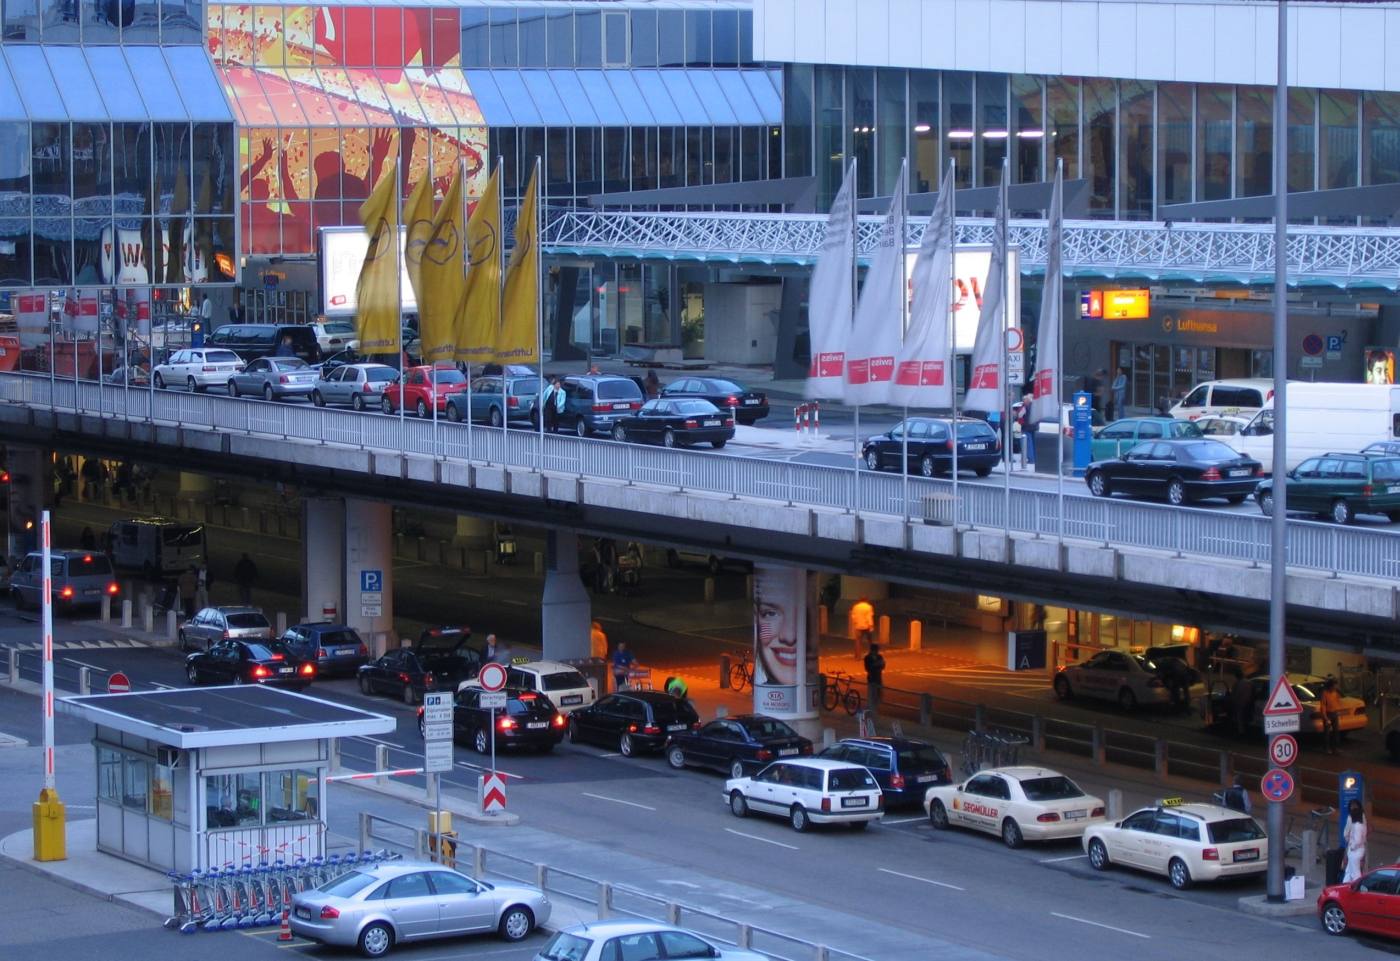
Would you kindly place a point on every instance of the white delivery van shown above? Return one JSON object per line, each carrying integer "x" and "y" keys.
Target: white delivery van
{"x": 156, "y": 545}
{"x": 1246, "y": 397}
{"x": 1322, "y": 418}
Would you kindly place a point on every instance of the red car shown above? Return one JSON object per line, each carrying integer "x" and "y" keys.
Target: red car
{"x": 425, "y": 385}
{"x": 1370, "y": 904}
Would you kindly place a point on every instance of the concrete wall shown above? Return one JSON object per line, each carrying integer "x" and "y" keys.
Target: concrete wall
{"x": 741, "y": 322}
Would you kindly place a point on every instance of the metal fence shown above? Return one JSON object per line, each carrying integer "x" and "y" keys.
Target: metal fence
{"x": 1185, "y": 531}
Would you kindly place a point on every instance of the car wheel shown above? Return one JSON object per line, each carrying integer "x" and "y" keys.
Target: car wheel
{"x": 1098, "y": 855}
{"x": 408, "y": 695}
{"x": 516, "y": 923}
{"x": 317, "y": 400}
{"x": 1062, "y": 688}
{"x": 926, "y": 466}
{"x": 872, "y": 460}
{"x": 422, "y": 410}
{"x": 1179, "y": 874}
{"x": 573, "y": 732}
{"x": 237, "y": 679}
{"x": 232, "y": 388}
{"x": 1127, "y": 700}
{"x": 480, "y": 742}
{"x": 376, "y": 940}
{"x": 982, "y": 471}
{"x": 736, "y": 769}
{"x": 1176, "y": 492}
{"x": 619, "y": 433}
{"x": 1266, "y": 504}
{"x": 386, "y": 405}
{"x": 267, "y": 392}
{"x": 1011, "y": 833}
{"x": 357, "y": 403}
{"x": 364, "y": 685}
{"x": 625, "y": 747}
{"x": 798, "y": 818}
{"x": 192, "y": 673}
{"x": 1098, "y": 484}
{"x": 453, "y": 414}
{"x": 160, "y": 381}
{"x": 675, "y": 757}
{"x": 1341, "y": 511}
{"x": 495, "y": 417}
{"x": 190, "y": 383}
{"x": 738, "y": 804}
{"x": 1235, "y": 499}
{"x": 668, "y": 439}
{"x": 580, "y": 428}
{"x": 938, "y": 816}
{"x": 1334, "y": 918}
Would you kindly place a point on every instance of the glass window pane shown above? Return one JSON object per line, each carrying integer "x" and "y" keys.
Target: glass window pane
{"x": 923, "y": 121}
{"x": 671, "y": 38}
{"x": 558, "y": 165}
{"x": 532, "y": 38}
{"x": 1340, "y": 139}
{"x": 233, "y": 800}
{"x": 522, "y": 105}
{"x": 286, "y": 109}
{"x": 162, "y": 792}
{"x": 561, "y": 38}
{"x": 109, "y": 772}
{"x": 476, "y": 38}
{"x": 588, "y": 39}
{"x": 615, "y": 39}
{"x": 586, "y": 180}
{"x": 158, "y": 88}
{"x": 118, "y": 88}
{"x": 36, "y": 85}
{"x": 993, "y": 128}
{"x": 1028, "y": 130}
{"x": 1255, "y": 131}
{"x": 15, "y": 160}
{"x": 505, "y": 47}
{"x": 1381, "y": 119}
{"x": 643, "y": 38}
{"x": 643, "y": 158}
{"x": 658, "y": 99}
{"x": 20, "y": 20}
{"x": 101, "y": 22}
{"x": 1302, "y": 139}
{"x": 860, "y": 119}
{"x": 1062, "y": 95}
{"x": 797, "y": 122}
{"x": 60, "y": 20}
{"x": 10, "y": 106}
{"x": 135, "y": 782}
{"x": 697, "y": 38}
{"x": 707, "y": 88}
{"x": 830, "y": 155}
{"x": 746, "y": 37}
{"x": 752, "y": 155}
{"x": 1174, "y": 143}
{"x": 1100, "y": 123}
{"x": 724, "y": 155}
{"x": 890, "y": 119}
{"x": 763, "y": 86}
{"x": 600, "y": 95}
{"x": 542, "y": 92}
{"x": 181, "y": 21}
{"x": 1214, "y": 131}
{"x": 15, "y": 259}
{"x": 144, "y": 25}
{"x": 615, "y": 159}
{"x": 53, "y": 251}
{"x": 699, "y": 150}
{"x": 75, "y": 83}
{"x": 683, "y": 94}
{"x": 292, "y": 795}
{"x": 1135, "y": 171}
{"x": 726, "y": 38}
{"x": 199, "y": 88}
{"x": 737, "y": 93}
{"x": 92, "y": 168}
{"x": 957, "y": 119}
{"x": 634, "y": 105}
{"x": 494, "y": 107}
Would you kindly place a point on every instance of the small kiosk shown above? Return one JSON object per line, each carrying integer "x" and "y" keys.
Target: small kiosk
{"x": 208, "y": 777}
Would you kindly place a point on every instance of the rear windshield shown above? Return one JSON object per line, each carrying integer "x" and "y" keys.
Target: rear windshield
{"x": 925, "y": 757}
{"x": 529, "y": 704}
{"x": 446, "y": 376}
{"x": 1234, "y": 830}
{"x": 618, "y": 390}
{"x": 674, "y": 711}
{"x": 347, "y": 884}
{"x": 694, "y": 407}
{"x": 220, "y": 357}
{"x": 524, "y": 386}
{"x": 850, "y": 779}
{"x": 247, "y": 620}
{"x": 380, "y": 375}
{"x": 182, "y": 536}
{"x": 267, "y": 652}
{"x": 769, "y": 727}
{"x": 85, "y": 565}
{"x": 1056, "y": 788}
{"x": 974, "y": 429}
{"x": 1211, "y": 450}
{"x": 566, "y": 947}
{"x": 346, "y": 636}
{"x": 339, "y": 327}
{"x": 288, "y": 363}
{"x": 564, "y": 681}
{"x": 725, "y": 387}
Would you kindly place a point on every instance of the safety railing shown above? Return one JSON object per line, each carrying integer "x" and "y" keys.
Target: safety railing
{"x": 1188, "y": 531}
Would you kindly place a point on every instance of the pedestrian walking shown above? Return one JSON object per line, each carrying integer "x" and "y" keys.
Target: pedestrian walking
{"x": 1355, "y": 838}
{"x": 1331, "y": 711}
{"x": 245, "y": 574}
{"x": 1120, "y": 393}
{"x": 653, "y": 385}
{"x": 202, "y": 590}
{"x": 874, "y": 675}
{"x": 861, "y": 620}
{"x": 188, "y": 582}
{"x": 552, "y": 404}
{"x": 598, "y": 642}
{"x": 624, "y": 662}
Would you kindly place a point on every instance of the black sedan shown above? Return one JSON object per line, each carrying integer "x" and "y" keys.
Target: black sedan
{"x": 676, "y": 423}
{"x": 633, "y": 721}
{"x": 1182, "y": 470}
{"x": 747, "y": 406}
{"x": 530, "y": 720}
{"x": 408, "y": 672}
{"x": 243, "y": 662}
{"x": 737, "y": 745}
{"x": 931, "y": 449}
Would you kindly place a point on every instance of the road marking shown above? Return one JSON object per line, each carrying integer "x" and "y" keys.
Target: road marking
{"x": 375, "y": 740}
{"x": 899, "y": 820}
{"x": 90, "y": 667}
{"x": 1096, "y": 924}
{"x": 162, "y": 687}
{"x": 613, "y": 754}
{"x": 915, "y": 877}
{"x": 486, "y": 770}
{"x": 618, "y": 800}
{"x": 755, "y": 837}
{"x": 1071, "y": 857}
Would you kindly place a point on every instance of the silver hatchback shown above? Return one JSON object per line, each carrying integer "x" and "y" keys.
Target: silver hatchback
{"x": 360, "y": 386}
{"x": 374, "y": 908}
{"x": 214, "y": 624}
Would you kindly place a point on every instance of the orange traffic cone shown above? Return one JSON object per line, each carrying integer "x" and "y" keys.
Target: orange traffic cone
{"x": 286, "y": 933}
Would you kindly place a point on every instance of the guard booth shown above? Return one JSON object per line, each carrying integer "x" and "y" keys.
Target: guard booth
{"x": 208, "y": 777}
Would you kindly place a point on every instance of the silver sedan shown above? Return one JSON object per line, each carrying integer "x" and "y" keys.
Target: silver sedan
{"x": 374, "y": 908}
{"x": 273, "y": 377}
{"x": 359, "y": 385}
{"x": 607, "y": 940}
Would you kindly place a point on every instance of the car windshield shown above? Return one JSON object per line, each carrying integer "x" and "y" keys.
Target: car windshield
{"x": 1211, "y": 450}
{"x": 695, "y": 407}
{"x": 247, "y": 620}
{"x": 182, "y": 536}
{"x": 447, "y": 376}
{"x": 850, "y": 779}
{"x": 380, "y": 375}
{"x": 1235, "y": 830}
{"x": 89, "y": 564}
{"x": 220, "y": 357}
{"x": 768, "y": 727}
{"x": 1057, "y": 788}
{"x": 339, "y": 327}
{"x": 564, "y": 681}
{"x": 566, "y": 947}
{"x": 342, "y": 636}
{"x": 923, "y": 757}
{"x": 288, "y": 363}
{"x": 347, "y": 884}
{"x": 967, "y": 431}
{"x": 618, "y": 390}
{"x": 725, "y": 387}
{"x": 524, "y": 386}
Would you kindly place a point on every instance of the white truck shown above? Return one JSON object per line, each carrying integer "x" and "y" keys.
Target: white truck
{"x": 1322, "y": 417}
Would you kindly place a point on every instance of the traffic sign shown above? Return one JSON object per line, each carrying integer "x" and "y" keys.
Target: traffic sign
{"x": 1015, "y": 340}
{"x": 1283, "y": 750}
{"x": 493, "y": 700}
{"x": 371, "y": 581}
{"x": 371, "y": 610}
{"x": 1282, "y": 724}
{"x": 1312, "y": 345}
{"x": 437, "y": 756}
{"x": 437, "y": 716}
{"x": 1277, "y": 785}
{"x": 1016, "y": 367}
{"x": 492, "y": 790}
{"x": 1282, "y": 700}
{"x": 118, "y": 683}
{"x": 492, "y": 677}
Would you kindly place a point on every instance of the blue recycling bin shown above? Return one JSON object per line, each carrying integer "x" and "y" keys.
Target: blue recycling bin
{"x": 1082, "y": 420}
{"x": 1351, "y": 786}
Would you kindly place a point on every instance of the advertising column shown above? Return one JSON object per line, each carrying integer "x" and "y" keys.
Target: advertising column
{"x": 785, "y": 672}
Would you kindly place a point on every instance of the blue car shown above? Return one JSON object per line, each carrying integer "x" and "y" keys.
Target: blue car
{"x": 594, "y": 402}
{"x": 903, "y": 767}
{"x": 508, "y": 398}
{"x": 335, "y": 648}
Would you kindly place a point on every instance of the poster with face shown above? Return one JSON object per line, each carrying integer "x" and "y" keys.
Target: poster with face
{"x": 780, "y": 636}
{"x": 1380, "y": 365}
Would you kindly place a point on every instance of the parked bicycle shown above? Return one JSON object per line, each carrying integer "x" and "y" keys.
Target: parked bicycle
{"x": 839, "y": 690}
{"x": 741, "y": 673}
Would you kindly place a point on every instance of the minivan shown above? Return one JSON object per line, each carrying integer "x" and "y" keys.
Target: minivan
{"x": 79, "y": 579}
{"x": 594, "y": 401}
{"x": 250, "y": 341}
{"x": 1322, "y": 418}
{"x": 1245, "y": 397}
{"x": 156, "y": 545}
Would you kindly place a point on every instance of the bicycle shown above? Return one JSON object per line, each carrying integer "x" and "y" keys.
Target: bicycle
{"x": 840, "y": 690}
{"x": 741, "y": 673}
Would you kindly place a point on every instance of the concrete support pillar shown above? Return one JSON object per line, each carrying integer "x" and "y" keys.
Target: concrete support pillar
{"x": 196, "y": 490}
{"x": 565, "y": 610}
{"x": 473, "y": 532}
{"x": 30, "y": 484}
{"x": 786, "y": 647}
{"x": 323, "y": 558}
{"x": 369, "y": 556}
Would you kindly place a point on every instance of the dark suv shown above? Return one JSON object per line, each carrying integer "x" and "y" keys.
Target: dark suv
{"x": 633, "y": 721}
{"x": 592, "y": 403}
{"x": 1340, "y": 486}
{"x": 903, "y": 767}
{"x": 250, "y": 341}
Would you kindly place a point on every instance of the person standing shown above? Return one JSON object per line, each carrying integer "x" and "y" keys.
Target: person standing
{"x": 245, "y": 573}
{"x": 285, "y": 349}
{"x": 1331, "y": 711}
{"x": 1237, "y": 797}
{"x": 874, "y": 675}
{"x": 206, "y": 312}
{"x": 494, "y": 653}
{"x": 552, "y": 404}
{"x": 1120, "y": 393}
{"x": 862, "y": 622}
{"x": 598, "y": 642}
{"x": 188, "y": 583}
{"x": 653, "y": 385}
{"x": 1355, "y": 839}
{"x": 624, "y": 662}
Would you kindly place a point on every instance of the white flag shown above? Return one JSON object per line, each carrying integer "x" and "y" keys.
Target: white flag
{"x": 986, "y": 388}
{"x": 1045, "y": 383}
{"x": 923, "y": 371}
{"x": 878, "y": 330}
{"x": 830, "y": 296}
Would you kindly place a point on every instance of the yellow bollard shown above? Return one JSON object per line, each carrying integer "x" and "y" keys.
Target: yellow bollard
{"x": 50, "y": 838}
{"x": 916, "y": 635}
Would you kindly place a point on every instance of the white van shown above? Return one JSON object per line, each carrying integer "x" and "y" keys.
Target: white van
{"x": 156, "y": 545}
{"x": 1242, "y": 397}
{"x": 1322, "y": 418}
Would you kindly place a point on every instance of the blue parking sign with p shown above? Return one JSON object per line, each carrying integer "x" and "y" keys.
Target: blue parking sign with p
{"x": 371, "y": 581}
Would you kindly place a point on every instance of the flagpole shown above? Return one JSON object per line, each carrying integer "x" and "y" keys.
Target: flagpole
{"x": 1058, "y": 213}
{"x": 398, "y": 293}
{"x": 1003, "y": 219}
{"x": 904, "y": 314}
{"x": 952, "y": 323}
{"x": 456, "y": 326}
{"x": 855, "y": 287}
{"x": 539, "y": 306}
{"x": 501, "y": 297}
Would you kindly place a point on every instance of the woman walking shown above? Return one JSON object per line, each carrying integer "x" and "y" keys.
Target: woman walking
{"x": 1355, "y": 838}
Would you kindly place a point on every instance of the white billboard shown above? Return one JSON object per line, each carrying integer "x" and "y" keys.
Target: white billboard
{"x": 343, "y": 252}
{"x": 971, "y": 264}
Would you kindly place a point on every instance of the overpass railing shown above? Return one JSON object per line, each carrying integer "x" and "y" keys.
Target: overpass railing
{"x": 1184, "y": 531}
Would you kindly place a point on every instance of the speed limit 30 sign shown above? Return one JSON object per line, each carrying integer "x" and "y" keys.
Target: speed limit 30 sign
{"x": 1283, "y": 750}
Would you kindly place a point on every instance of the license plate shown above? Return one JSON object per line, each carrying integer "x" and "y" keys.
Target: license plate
{"x": 285, "y": 670}
{"x": 304, "y": 913}
{"x": 751, "y": 402}
{"x": 1075, "y": 815}
{"x": 571, "y": 699}
{"x": 1241, "y": 472}
{"x": 855, "y": 802}
{"x": 345, "y": 651}
{"x": 536, "y": 725}
{"x": 622, "y": 406}
{"x": 92, "y": 590}
{"x": 711, "y": 423}
{"x": 675, "y": 727}
{"x": 1393, "y": 489}
{"x": 1250, "y": 854}
{"x": 925, "y": 778}
{"x": 976, "y": 447}
{"x": 786, "y": 751}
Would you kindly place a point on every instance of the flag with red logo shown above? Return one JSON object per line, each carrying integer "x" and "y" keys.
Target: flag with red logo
{"x": 923, "y": 373}
{"x": 1045, "y": 382}
{"x": 830, "y": 296}
{"x": 986, "y": 387}
{"x": 878, "y": 331}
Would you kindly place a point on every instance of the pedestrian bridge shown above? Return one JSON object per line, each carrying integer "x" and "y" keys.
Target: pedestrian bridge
{"x": 1199, "y": 566}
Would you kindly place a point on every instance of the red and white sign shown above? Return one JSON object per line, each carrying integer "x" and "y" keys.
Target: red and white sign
{"x": 492, "y": 677}
{"x": 1277, "y": 786}
{"x": 1283, "y": 750}
{"x": 492, "y": 789}
{"x": 118, "y": 683}
{"x": 1282, "y": 700}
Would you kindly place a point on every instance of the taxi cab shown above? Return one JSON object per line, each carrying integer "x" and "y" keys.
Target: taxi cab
{"x": 1186, "y": 842}
{"x": 1019, "y": 803}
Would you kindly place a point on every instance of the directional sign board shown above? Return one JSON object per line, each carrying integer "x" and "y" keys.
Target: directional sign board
{"x": 1282, "y": 724}
{"x": 492, "y": 791}
{"x": 1277, "y": 785}
{"x": 437, "y": 732}
{"x": 1283, "y": 750}
{"x": 1282, "y": 701}
{"x": 493, "y": 700}
{"x": 492, "y": 677}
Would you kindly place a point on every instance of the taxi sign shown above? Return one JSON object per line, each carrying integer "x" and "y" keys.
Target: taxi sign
{"x": 1282, "y": 700}
{"x": 1170, "y": 802}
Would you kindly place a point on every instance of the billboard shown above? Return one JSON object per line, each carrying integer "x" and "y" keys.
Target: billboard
{"x": 784, "y": 669}
{"x": 971, "y": 265}
{"x": 342, "y": 254}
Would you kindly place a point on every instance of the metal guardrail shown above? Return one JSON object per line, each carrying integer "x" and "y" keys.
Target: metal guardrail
{"x": 1183, "y": 531}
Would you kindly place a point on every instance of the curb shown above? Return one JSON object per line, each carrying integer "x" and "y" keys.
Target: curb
{"x": 1260, "y": 906}
{"x": 76, "y": 885}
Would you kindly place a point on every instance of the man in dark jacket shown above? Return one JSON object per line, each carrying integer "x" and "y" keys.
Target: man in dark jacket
{"x": 245, "y": 573}
{"x": 874, "y": 674}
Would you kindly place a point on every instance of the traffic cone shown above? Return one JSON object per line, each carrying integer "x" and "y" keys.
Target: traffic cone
{"x": 286, "y": 933}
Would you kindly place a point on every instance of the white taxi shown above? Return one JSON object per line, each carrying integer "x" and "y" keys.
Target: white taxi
{"x": 1130, "y": 680}
{"x": 1019, "y": 803}
{"x": 1186, "y": 842}
{"x": 564, "y": 685}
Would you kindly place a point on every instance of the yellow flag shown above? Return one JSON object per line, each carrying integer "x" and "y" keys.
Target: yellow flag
{"x": 480, "y": 317}
{"x": 517, "y": 343}
{"x": 377, "y": 292}
{"x": 418, "y": 215}
{"x": 442, "y": 285}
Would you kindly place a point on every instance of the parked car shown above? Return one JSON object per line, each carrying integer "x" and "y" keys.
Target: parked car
{"x": 931, "y": 448}
{"x": 197, "y": 369}
{"x": 1384, "y": 448}
{"x": 714, "y": 563}
{"x": 747, "y": 406}
{"x": 348, "y": 356}
{"x": 336, "y": 649}
{"x": 251, "y": 341}
{"x": 1122, "y": 435}
{"x": 77, "y": 578}
{"x": 904, "y": 768}
{"x": 335, "y": 335}
{"x": 676, "y": 423}
{"x": 610, "y": 940}
{"x": 1186, "y": 842}
{"x": 1340, "y": 486}
{"x": 507, "y": 398}
{"x": 1019, "y": 804}
{"x": 273, "y": 377}
{"x": 1239, "y": 397}
{"x": 808, "y": 791}
{"x": 1129, "y": 680}
{"x": 421, "y": 389}
{"x": 359, "y": 385}
{"x": 132, "y": 375}
{"x": 436, "y": 663}
{"x": 156, "y": 545}
{"x": 249, "y": 662}
{"x": 1307, "y": 688}
{"x": 737, "y": 745}
{"x": 376, "y": 907}
{"x": 593, "y": 402}
{"x": 529, "y": 720}
{"x": 632, "y": 721}
{"x": 562, "y": 684}
{"x": 1368, "y": 905}
{"x": 1221, "y": 425}
{"x": 214, "y": 624}
{"x": 1182, "y": 471}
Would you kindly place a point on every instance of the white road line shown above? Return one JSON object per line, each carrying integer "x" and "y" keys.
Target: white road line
{"x": 1071, "y": 857}
{"x": 755, "y": 837}
{"x": 618, "y": 800}
{"x": 375, "y": 740}
{"x": 487, "y": 770}
{"x": 90, "y": 667}
{"x": 915, "y": 877}
{"x": 613, "y": 754}
{"x": 162, "y": 687}
{"x": 898, "y": 820}
{"x": 1096, "y": 924}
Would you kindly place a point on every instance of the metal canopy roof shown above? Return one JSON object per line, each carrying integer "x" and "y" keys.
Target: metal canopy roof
{"x": 220, "y": 716}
